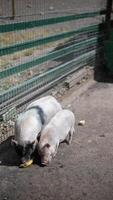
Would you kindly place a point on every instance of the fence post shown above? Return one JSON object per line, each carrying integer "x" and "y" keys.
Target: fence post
{"x": 13, "y": 9}
{"x": 108, "y": 17}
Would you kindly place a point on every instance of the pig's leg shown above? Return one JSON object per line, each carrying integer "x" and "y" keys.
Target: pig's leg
{"x": 56, "y": 148}
{"x": 70, "y": 134}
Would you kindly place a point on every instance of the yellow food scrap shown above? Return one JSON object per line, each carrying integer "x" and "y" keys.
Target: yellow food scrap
{"x": 26, "y": 164}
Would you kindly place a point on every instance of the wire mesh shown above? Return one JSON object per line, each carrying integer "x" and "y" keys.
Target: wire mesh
{"x": 23, "y": 85}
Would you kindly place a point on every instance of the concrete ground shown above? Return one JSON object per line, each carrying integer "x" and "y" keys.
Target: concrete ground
{"x": 36, "y": 9}
{"x": 81, "y": 171}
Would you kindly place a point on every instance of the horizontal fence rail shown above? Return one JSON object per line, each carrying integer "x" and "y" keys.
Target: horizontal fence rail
{"x": 46, "y": 77}
{"x": 85, "y": 43}
{"x": 50, "y": 56}
{"x": 45, "y": 22}
{"x": 23, "y": 98}
{"x": 37, "y": 42}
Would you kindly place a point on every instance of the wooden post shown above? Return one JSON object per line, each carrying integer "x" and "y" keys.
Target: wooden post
{"x": 108, "y": 17}
{"x": 13, "y": 9}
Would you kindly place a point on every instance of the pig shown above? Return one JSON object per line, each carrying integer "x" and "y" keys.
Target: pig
{"x": 29, "y": 124}
{"x": 59, "y": 129}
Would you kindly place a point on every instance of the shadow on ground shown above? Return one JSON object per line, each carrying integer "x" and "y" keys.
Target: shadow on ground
{"x": 8, "y": 156}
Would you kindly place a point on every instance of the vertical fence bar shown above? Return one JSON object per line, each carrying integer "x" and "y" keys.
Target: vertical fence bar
{"x": 108, "y": 17}
{"x": 13, "y": 9}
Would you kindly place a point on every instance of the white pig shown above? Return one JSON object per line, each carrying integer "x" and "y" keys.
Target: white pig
{"x": 59, "y": 129}
{"x": 30, "y": 123}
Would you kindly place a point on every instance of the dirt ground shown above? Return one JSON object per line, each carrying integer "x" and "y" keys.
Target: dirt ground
{"x": 80, "y": 171}
{"x": 32, "y": 9}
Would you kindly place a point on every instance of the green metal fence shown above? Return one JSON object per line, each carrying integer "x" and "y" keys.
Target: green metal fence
{"x": 83, "y": 43}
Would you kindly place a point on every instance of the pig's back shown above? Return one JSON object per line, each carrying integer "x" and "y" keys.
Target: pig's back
{"x": 59, "y": 126}
{"x": 49, "y": 105}
{"x": 39, "y": 101}
{"x": 27, "y": 127}
{"x": 63, "y": 117}
{"x": 62, "y": 123}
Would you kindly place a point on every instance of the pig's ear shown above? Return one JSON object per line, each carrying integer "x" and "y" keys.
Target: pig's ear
{"x": 14, "y": 142}
{"x": 33, "y": 142}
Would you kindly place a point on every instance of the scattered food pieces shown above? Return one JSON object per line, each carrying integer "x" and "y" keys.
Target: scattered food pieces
{"x": 81, "y": 123}
{"x": 89, "y": 141}
{"x": 61, "y": 166}
{"x": 26, "y": 164}
{"x": 102, "y": 135}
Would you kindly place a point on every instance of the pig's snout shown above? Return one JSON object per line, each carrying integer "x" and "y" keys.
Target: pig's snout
{"x": 24, "y": 159}
{"x": 45, "y": 162}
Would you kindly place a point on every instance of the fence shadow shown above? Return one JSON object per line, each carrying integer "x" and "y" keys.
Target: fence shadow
{"x": 101, "y": 72}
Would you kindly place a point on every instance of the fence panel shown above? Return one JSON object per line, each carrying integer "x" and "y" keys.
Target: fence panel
{"x": 30, "y": 64}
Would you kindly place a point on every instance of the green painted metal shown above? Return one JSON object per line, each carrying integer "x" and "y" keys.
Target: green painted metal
{"x": 108, "y": 49}
{"x": 50, "y": 56}
{"x": 33, "y": 43}
{"x": 44, "y": 22}
{"x": 111, "y": 34}
{"x": 108, "y": 52}
{"x": 46, "y": 77}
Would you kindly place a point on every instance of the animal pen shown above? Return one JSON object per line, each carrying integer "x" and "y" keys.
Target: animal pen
{"x": 37, "y": 54}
